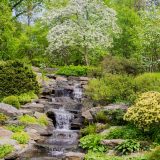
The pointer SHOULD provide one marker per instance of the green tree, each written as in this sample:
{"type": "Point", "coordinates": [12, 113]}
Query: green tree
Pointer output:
{"type": "Point", "coordinates": [32, 41]}
{"type": "Point", "coordinates": [128, 42]}
{"type": "Point", "coordinates": [6, 31]}
{"type": "Point", "coordinates": [150, 38]}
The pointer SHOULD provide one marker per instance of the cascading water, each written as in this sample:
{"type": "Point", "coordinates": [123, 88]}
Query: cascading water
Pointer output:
{"type": "Point", "coordinates": [63, 138]}
{"type": "Point", "coordinates": [63, 119]}
{"type": "Point", "coordinates": [77, 92]}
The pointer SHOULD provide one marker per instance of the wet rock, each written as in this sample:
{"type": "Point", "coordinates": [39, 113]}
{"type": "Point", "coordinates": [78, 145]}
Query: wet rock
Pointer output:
{"type": "Point", "coordinates": [9, 110]}
{"type": "Point", "coordinates": [46, 90]}
{"type": "Point", "coordinates": [95, 110]}
{"type": "Point", "coordinates": [115, 107]}
{"type": "Point", "coordinates": [5, 133]}
{"type": "Point", "coordinates": [9, 141]}
{"type": "Point", "coordinates": [26, 111]}
{"type": "Point", "coordinates": [84, 79]}
{"type": "Point", "coordinates": [34, 135]}
{"type": "Point", "coordinates": [87, 115]}
{"type": "Point", "coordinates": [52, 76]}
{"type": "Point", "coordinates": [76, 123]}
{"type": "Point", "coordinates": [112, 142]}
{"type": "Point", "coordinates": [60, 78]}
{"type": "Point", "coordinates": [41, 130]}
{"type": "Point", "coordinates": [34, 107]}
{"type": "Point", "coordinates": [35, 69]}
{"type": "Point", "coordinates": [74, 156]}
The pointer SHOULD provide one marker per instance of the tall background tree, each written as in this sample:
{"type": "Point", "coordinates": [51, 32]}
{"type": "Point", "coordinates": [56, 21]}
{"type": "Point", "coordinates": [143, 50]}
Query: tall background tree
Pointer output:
{"type": "Point", "coordinates": [87, 25]}
{"type": "Point", "coordinates": [6, 31]}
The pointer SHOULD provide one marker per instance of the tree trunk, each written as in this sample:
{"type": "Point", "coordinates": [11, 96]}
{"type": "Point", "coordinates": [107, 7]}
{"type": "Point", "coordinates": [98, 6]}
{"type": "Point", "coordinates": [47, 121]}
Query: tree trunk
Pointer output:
{"type": "Point", "coordinates": [86, 56]}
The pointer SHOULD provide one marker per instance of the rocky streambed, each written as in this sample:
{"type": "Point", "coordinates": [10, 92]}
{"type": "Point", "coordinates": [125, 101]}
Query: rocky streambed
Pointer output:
{"type": "Point", "coordinates": [61, 101]}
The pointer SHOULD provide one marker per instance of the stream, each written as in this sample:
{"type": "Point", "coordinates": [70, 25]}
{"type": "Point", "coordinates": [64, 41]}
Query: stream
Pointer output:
{"type": "Point", "coordinates": [63, 106]}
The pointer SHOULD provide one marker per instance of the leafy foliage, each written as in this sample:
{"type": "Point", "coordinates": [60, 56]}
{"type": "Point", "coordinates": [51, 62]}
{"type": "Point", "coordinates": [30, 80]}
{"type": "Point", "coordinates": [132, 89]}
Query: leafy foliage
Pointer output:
{"type": "Point", "coordinates": [127, 147]}
{"type": "Point", "coordinates": [5, 150]}
{"type": "Point", "coordinates": [101, 117]}
{"type": "Point", "coordinates": [111, 88]}
{"type": "Point", "coordinates": [94, 128]}
{"type": "Point", "coordinates": [126, 132]}
{"type": "Point", "coordinates": [27, 97]}
{"type": "Point", "coordinates": [155, 155]}
{"type": "Point", "coordinates": [121, 65]}
{"type": "Point", "coordinates": [122, 88]}
{"type": "Point", "coordinates": [27, 119]}
{"type": "Point", "coordinates": [15, 128]}
{"type": "Point", "coordinates": [100, 156]}
{"type": "Point", "coordinates": [92, 142]}
{"type": "Point", "coordinates": [74, 70]}
{"type": "Point", "coordinates": [145, 112]}
{"type": "Point", "coordinates": [12, 100]}
{"type": "Point", "coordinates": [21, 137]}
{"type": "Point", "coordinates": [6, 31]}
{"type": "Point", "coordinates": [115, 117]}
{"type": "Point", "coordinates": [16, 78]}
{"type": "Point", "coordinates": [147, 82]}
{"type": "Point", "coordinates": [3, 118]}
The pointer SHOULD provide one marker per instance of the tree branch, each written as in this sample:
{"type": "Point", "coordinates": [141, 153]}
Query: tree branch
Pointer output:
{"type": "Point", "coordinates": [16, 4]}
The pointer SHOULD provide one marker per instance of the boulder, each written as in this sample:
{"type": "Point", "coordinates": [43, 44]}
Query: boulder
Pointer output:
{"type": "Point", "coordinates": [26, 111]}
{"type": "Point", "coordinates": [34, 107]}
{"type": "Point", "coordinates": [74, 156]}
{"type": "Point", "coordinates": [9, 110]}
{"type": "Point", "coordinates": [60, 78]}
{"type": "Point", "coordinates": [115, 107]}
{"type": "Point", "coordinates": [41, 130]}
{"type": "Point", "coordinates": [8, 141]}
{"type": "Point", "coordinates": [34, 135]}
{"type": "Point", "coordinates": [87, 115]}
{"type": "Point", "coordinates": [52, 76]}
{"type": "Point", "coordinates": [112, 142]}
{"type": "Point", "coordinates": [84, 79]}
{"type": "Point", "coordinates": [5, 133]}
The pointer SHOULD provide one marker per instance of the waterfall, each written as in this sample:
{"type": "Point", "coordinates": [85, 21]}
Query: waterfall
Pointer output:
{"type": "Point", "coordinates": [63, 119]}
{"type": "Point", "coordinates": [77, 92]}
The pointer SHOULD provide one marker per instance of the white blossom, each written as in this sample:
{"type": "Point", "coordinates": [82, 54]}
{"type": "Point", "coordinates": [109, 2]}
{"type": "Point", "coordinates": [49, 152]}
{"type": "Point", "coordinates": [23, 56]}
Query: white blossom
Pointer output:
{"type": "Point", "coordinates": [84, 23]}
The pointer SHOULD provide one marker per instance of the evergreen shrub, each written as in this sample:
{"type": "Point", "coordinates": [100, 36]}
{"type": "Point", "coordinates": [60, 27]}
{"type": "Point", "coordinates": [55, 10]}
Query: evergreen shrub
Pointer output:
{"type": "Point", "coordinates": [16, 78]}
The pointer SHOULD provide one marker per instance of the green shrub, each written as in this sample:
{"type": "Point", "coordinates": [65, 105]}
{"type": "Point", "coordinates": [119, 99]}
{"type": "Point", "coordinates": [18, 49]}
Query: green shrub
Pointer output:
{"type": "Point", "coordinates": [155, 155]}
{"type": "Point", "coordinates": [128, 147]}
{"type": "Point", "coordinates": [27, 97]}
{"type": "Point", "coordinates": [74, 70]}
{"type": "Point", "coordinates": [147, 82]}
{"type": "Point", "coordinates": [101, 117]}
{"type": "Point", "coordinates": [15, 128]}
{"type": "Point", "coordinates": [100, 156]}
{"type": "Point", "coordinates": [145, 113]}
{"type": "Point", "coordinates": [127, 132]}
{"type": "Point", "coordinates": [92, 142]}
{"type": "Point", "coordinates": [5, 150]}
{"type": "Point", "coordinates": [43, 120]}
{"type": "Point", "coordinates": [12, 100]}
{"type": "Point", "coordinates": [115, 117]}
{"type": "Point", "coordinates": [90, 129]}
{"type": "Point", "coordinates": [16, 78]}
{"type": "Point", "coordinates": [27, 119]}
{"type": "Point", "coordinates": [3, 118]}
{"type": "Point", "coordinates": [122, 88]}
{"type": "Point", "coordinates": [121, 65]}
{"type": "Point", "coordinates": [111, 88]}
{"type": "Point", "coordinates": [21, 137]}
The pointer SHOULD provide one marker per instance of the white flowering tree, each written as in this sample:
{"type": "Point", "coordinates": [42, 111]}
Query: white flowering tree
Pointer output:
{"type": "Point", "coordinates": [84, 24]}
